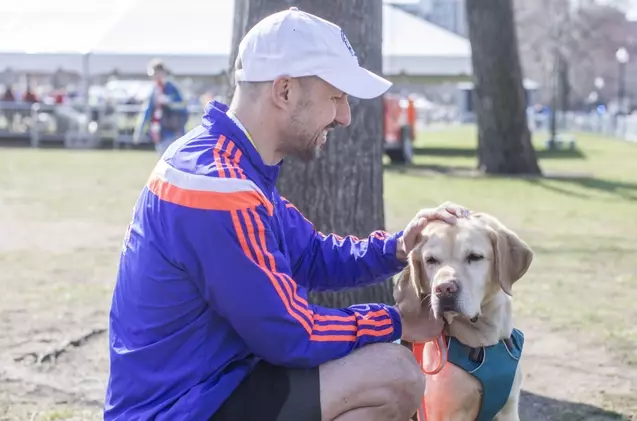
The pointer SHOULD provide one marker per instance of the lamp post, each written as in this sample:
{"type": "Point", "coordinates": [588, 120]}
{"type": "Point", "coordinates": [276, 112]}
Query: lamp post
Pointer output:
{"type": "Point", "coordinates": [599, 102]}
{"type": "Point", "coordinates": [622, 58]}
{"type": "Point", "coordinates": [599, 83]}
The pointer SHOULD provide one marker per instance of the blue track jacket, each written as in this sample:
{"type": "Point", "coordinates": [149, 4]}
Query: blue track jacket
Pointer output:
{"type": "Point", "coordinates": [213, 277]}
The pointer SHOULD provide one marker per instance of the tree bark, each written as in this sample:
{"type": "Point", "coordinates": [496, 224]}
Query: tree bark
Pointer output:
{"type": "Point", "coordinates": [342, 191]}
{"type": "Point", "coordinates": [504, 139]}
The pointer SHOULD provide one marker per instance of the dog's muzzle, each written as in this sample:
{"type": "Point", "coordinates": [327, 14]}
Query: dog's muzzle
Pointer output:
{"type": "Point", "coordinates": [446, 296]}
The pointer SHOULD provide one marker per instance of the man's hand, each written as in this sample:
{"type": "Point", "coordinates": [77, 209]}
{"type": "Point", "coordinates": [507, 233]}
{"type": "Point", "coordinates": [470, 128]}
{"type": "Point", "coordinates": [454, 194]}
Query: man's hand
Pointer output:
{"type": "Point", "coordinates": [448, 212]}
{"type": "Point", "coordinates": [163, 99]}
{"type": "Point", "coordinates": [420, 326]}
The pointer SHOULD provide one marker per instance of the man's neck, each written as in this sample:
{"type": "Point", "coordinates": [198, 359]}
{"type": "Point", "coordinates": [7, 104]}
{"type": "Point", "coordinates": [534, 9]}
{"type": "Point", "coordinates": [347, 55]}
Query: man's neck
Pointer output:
{"type": "Point", "coordinates": [260, 132]}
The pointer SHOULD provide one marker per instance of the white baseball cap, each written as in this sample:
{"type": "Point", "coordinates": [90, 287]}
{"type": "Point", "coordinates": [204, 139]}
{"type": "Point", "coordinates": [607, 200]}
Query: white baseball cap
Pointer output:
{"type": "Point", "coordinates": [295, 44]}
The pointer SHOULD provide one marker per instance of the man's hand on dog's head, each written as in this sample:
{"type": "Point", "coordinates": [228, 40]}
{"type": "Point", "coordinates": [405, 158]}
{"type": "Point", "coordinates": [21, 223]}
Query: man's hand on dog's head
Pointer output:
{"type": "Point", "coordinates": [448, 212]}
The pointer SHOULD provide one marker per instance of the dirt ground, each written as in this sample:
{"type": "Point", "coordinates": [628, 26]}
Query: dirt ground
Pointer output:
{"type": "Point", "coordinates": [59, 241]}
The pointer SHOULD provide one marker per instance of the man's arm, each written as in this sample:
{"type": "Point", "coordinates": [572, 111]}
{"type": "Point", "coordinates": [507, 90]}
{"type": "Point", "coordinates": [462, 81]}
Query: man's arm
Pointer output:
{"type": "Point", "coordinates": [221, 231]}
{"type": "Point", "coordinates": [143, 119]}
{"type": "Point", "coordinates": [330, 262]}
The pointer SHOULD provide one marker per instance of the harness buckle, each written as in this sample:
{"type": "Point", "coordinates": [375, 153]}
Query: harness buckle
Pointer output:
{"type": "Point", "coordinates": [477, 355]}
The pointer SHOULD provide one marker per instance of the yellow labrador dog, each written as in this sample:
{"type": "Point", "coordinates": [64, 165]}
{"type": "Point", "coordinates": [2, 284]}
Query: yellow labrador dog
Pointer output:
{"type": "Point", "coordinates": [466, 272]}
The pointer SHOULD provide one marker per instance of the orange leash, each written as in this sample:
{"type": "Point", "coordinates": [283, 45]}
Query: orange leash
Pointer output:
{"type": "Point", "coordinates": [418, 349]}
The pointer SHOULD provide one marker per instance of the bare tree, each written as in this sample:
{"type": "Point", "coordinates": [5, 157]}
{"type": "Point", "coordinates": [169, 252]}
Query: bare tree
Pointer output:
{"type": "Point", "coordinates": [342, 192]}
{"type": "Point", "coordinates": [571, 44]}
{"type": "Point", "coordinates": [504, 139]}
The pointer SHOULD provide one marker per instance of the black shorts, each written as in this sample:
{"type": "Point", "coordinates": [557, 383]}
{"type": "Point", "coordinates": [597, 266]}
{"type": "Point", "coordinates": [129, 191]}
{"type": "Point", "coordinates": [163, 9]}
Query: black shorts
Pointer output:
{"type": "Point", "coordinates": [272, 393]}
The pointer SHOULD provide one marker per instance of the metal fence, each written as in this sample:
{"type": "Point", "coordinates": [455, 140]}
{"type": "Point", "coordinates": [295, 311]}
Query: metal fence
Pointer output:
{"type": "Point", "coordinates": [70, 126]}
{"type": "Point", "coordinates": [113, 125]}
{"type": "Point", "coordinates": [619, 126]}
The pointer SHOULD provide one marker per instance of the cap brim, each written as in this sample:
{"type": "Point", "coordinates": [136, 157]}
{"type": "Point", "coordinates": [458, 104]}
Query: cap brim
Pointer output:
{"type": "Point", "coordinates": [357, 82]}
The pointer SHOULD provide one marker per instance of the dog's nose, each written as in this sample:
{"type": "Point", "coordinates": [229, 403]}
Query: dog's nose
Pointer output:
{"type": "Point", "coordinates": [447, 289]}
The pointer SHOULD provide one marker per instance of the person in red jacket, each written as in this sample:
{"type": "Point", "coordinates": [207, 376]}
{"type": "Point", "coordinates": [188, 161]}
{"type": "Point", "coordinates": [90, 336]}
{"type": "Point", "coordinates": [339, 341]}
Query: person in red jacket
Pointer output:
{"type": "Point", "coordinates": [210, 318]}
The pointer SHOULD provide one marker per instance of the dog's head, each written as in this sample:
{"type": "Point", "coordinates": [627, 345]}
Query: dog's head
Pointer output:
{"type": "Point", "coordinates": [459, 267]}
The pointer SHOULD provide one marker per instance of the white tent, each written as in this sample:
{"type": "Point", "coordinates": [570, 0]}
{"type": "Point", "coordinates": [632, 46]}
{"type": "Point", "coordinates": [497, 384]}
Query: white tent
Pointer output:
{"type": "Point", "coordinates": [412, 45]}
{"type": "Point", "coordinates": [192, 36]}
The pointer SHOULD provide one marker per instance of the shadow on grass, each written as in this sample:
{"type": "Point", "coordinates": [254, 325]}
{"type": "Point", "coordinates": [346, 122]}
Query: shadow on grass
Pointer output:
{"type": "Point", "coordinates": [616, 250]}
{"type": "Point", "coordinates": [564, 184]}
{"type": "Point", "coordinates": [535, 407]}
{"type": "Point", "coordinates": [471, 152]}
{"type": "Point", "coordinates": [623, 190]}
{"type": "Point", "coordinates": [422, 169]}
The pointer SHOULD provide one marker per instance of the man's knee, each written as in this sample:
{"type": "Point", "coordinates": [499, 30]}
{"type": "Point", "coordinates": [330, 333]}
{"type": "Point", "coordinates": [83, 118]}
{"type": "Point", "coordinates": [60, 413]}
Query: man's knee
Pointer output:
{"type": "Point", "coordinates": [407, 384]}
{"type": "Point", "coordinates": [383, 376]}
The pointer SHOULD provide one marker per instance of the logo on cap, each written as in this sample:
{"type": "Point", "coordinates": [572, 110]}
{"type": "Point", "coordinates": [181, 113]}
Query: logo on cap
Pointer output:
{"type": "Point", "coordinates": [348, 45]}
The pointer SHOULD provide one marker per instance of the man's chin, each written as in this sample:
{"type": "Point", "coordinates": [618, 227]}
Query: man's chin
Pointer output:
{"type": "Point", "coordinates": [310, 155]}
{"type": "Point", "coordinates": [306, 156]}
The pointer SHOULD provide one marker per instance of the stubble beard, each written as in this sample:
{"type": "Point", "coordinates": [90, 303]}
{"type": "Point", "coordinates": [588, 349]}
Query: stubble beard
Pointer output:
{"type": "Point", "coordinates": [304, 145]}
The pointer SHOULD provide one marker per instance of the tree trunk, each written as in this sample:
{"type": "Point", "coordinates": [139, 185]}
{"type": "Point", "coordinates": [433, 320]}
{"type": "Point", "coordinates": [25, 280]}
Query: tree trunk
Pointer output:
{"type": "Point", "coordinates": [342, 191]}
{"type": "Point", "coordinates": [239, 29]}
{"type": "Point", "coordinates": [504, 139]}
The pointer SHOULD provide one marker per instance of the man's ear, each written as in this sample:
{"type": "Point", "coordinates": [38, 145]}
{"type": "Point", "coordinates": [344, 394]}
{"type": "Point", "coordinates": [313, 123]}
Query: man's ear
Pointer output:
{"type": "Point", "coordinates": [512, 257]}
{"type": "Point", "coordinates": [281, 91]}
{"type": "Point", "coordinates": [412, 284]}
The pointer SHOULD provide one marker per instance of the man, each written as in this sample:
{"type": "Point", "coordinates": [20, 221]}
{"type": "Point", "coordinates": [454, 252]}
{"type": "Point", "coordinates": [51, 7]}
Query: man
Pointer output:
{"type": "Point", "coordinates": [210, 319]}
{"type": "Point", "coordinates": [165, 113]}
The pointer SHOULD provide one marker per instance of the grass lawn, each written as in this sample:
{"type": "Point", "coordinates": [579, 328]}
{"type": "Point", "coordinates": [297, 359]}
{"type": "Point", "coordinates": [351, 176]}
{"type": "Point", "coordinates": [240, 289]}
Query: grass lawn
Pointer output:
{"type": "Point", "coordinates": [63, 216]}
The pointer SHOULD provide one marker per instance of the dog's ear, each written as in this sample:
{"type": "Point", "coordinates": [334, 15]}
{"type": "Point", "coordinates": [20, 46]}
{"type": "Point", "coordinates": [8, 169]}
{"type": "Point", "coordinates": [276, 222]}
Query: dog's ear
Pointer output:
{"type": "Point", "coordinates": [512, 256]}
{"type": "Point", "coordinates": [412, 283]}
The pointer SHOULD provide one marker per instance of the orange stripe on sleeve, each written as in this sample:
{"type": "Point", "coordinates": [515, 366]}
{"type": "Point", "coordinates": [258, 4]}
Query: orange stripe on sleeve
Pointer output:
{"type": "Point", "coordinates": [350, 337]}
{"type": "Point", "coordinates": [222, 159]}
{"type": "Point", "coordinates": [362, 319]}
{"type": "Point", "coordinates": [275, 283]}
{"type": "Point", "coordinates": [294, 285]}
{"type": "Point", "coordinates": [237, 155]}
{"type": "Point", "coordinates": [207, 200]}
{"type": "Point", "coordinates": [232, 169]}
{"type": "Point", "coordinates": [252, 238]}
{"type": "Point", "coordinates": [376, 323]}
{"type": "Point", "coordinates": [261, 256]}
{"type": "Point", "coordinates": [332, 338]}
{"type": "Point", "coordinates": [217, 160]}
{"type": "Point", "coordinates": [364, 326]}
{"type": "Point", "coordinates": [242, 239]}
{"type": "Point", "coordinates": [291, 288]}
{"type": "Point", "coordinates": [208, 192]}
{"type": "Point", "coordinates": [372, 332]}
{"type": "Point", "coordinates": [224, 154]}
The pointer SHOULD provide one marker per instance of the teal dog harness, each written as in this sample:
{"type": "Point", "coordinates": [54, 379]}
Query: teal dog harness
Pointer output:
{"type": "Point", "coordinates": [494, 366]}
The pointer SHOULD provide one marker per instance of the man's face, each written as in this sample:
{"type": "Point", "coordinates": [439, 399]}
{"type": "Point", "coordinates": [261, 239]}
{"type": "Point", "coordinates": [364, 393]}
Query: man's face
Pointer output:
{"type": "Point", "coordinates": [319, 107]}
{"type": "Point", "coordinates": [158, 75]}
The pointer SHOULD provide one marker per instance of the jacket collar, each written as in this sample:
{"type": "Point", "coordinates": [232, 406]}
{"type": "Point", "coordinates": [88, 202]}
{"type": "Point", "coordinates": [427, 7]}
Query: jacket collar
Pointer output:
{"type": "Point", "coordinates": [215, 115]}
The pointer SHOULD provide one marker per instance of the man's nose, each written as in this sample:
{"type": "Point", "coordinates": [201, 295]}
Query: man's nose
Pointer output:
{"type": "Point", "coordinates": [343, 113]}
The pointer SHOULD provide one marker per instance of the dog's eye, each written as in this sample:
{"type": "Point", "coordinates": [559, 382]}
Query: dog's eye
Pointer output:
{"type": "Point", "coordinates": [431, 261]}
{"type": "Point", "coordinates": [473, 257]}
